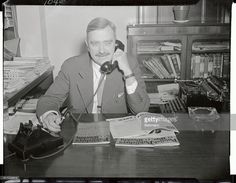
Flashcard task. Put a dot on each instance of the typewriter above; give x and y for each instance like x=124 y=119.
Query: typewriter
x=207 y=92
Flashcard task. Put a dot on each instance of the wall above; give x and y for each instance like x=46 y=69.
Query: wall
x=215 y=10
x=66 y=27
x=59 y=31
x=29 y=29
x=63 y=28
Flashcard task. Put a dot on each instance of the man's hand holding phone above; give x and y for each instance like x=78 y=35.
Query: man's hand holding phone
x=121 y=57
x=52 y=121
x=123 y=63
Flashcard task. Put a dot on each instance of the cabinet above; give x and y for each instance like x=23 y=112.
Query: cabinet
x=152 y=42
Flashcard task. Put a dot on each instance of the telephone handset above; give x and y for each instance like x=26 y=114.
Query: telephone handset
x=108 y=67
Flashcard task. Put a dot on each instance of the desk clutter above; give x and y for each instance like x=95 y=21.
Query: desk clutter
x=23 y=70
x=33 y=140
x=167 y=99
x=203 y=92
x=22 y=112
x=143 y=130
x=207 y=92
x=12 y=125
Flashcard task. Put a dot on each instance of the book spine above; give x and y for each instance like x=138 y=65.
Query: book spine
x=201 y=66
x=146 y=65
x=210 y=64
x=172 y=66
x=206 y=60
x=166 y=64
x=152 y=68
x=214 y=65
x=156 y=68
x=221 y=64
x=193 y=58
x=175 y=64
x=154 y=61
x=178 y=61
x=226 y=65
x=162 y=68
x=197 y=66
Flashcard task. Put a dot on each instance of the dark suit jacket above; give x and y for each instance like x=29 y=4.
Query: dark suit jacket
x=75 y=83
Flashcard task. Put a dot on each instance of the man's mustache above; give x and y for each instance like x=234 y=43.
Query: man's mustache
x=102 y=55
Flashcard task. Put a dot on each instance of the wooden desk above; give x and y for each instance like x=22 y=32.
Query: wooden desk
x=203 y=154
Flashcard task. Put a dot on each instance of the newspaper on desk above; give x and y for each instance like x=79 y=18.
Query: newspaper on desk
x=131 y=131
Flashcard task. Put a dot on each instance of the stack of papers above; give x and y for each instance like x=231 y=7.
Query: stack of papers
x=22 y=71
x=160 y=98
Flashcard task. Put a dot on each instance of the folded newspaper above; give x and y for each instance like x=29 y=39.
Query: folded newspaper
x=143 y=130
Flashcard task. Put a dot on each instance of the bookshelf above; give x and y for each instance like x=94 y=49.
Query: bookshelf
x=10 y=25
x=149 y=43
x=210 y=55
x=155 y=54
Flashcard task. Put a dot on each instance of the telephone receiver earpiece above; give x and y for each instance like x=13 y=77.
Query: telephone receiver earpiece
x=119 y=45
x=108 y=67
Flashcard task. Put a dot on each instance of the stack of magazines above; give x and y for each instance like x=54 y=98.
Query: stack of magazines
x=143 y=130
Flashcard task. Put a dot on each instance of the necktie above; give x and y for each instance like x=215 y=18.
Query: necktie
x=99 y=93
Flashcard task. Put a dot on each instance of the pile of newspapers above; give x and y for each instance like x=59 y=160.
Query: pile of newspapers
x=22 y=71
x=143 y=130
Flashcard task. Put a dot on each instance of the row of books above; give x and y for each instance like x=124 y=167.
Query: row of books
x=203 y=46
x=204 y=65
x=165 y=66
x=8 y=17
x=154 y=46
x=129 y=131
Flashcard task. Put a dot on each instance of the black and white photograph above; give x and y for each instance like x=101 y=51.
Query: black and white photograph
x=117 y=92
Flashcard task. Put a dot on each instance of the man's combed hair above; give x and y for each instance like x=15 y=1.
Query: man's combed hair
x=100 y=23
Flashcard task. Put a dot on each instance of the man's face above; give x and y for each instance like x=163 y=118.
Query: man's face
x=101 y=44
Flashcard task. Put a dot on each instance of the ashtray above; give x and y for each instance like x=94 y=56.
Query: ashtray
x=203 y=113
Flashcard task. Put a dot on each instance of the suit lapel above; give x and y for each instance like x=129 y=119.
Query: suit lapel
x=85 y=82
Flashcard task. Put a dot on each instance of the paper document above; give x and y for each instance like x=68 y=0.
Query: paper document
x=126 y=127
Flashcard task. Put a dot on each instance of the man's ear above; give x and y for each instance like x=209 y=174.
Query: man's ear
x=86 y=44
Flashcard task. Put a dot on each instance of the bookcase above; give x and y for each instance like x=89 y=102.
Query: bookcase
x=10 y=25
x=154 y=45
x=209 y=55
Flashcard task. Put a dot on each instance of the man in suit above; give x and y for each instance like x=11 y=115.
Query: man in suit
x=120 y=91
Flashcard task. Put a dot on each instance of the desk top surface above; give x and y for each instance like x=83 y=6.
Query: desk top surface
x=203 y=154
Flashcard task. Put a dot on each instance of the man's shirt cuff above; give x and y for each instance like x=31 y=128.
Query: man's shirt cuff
x=131 y=88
